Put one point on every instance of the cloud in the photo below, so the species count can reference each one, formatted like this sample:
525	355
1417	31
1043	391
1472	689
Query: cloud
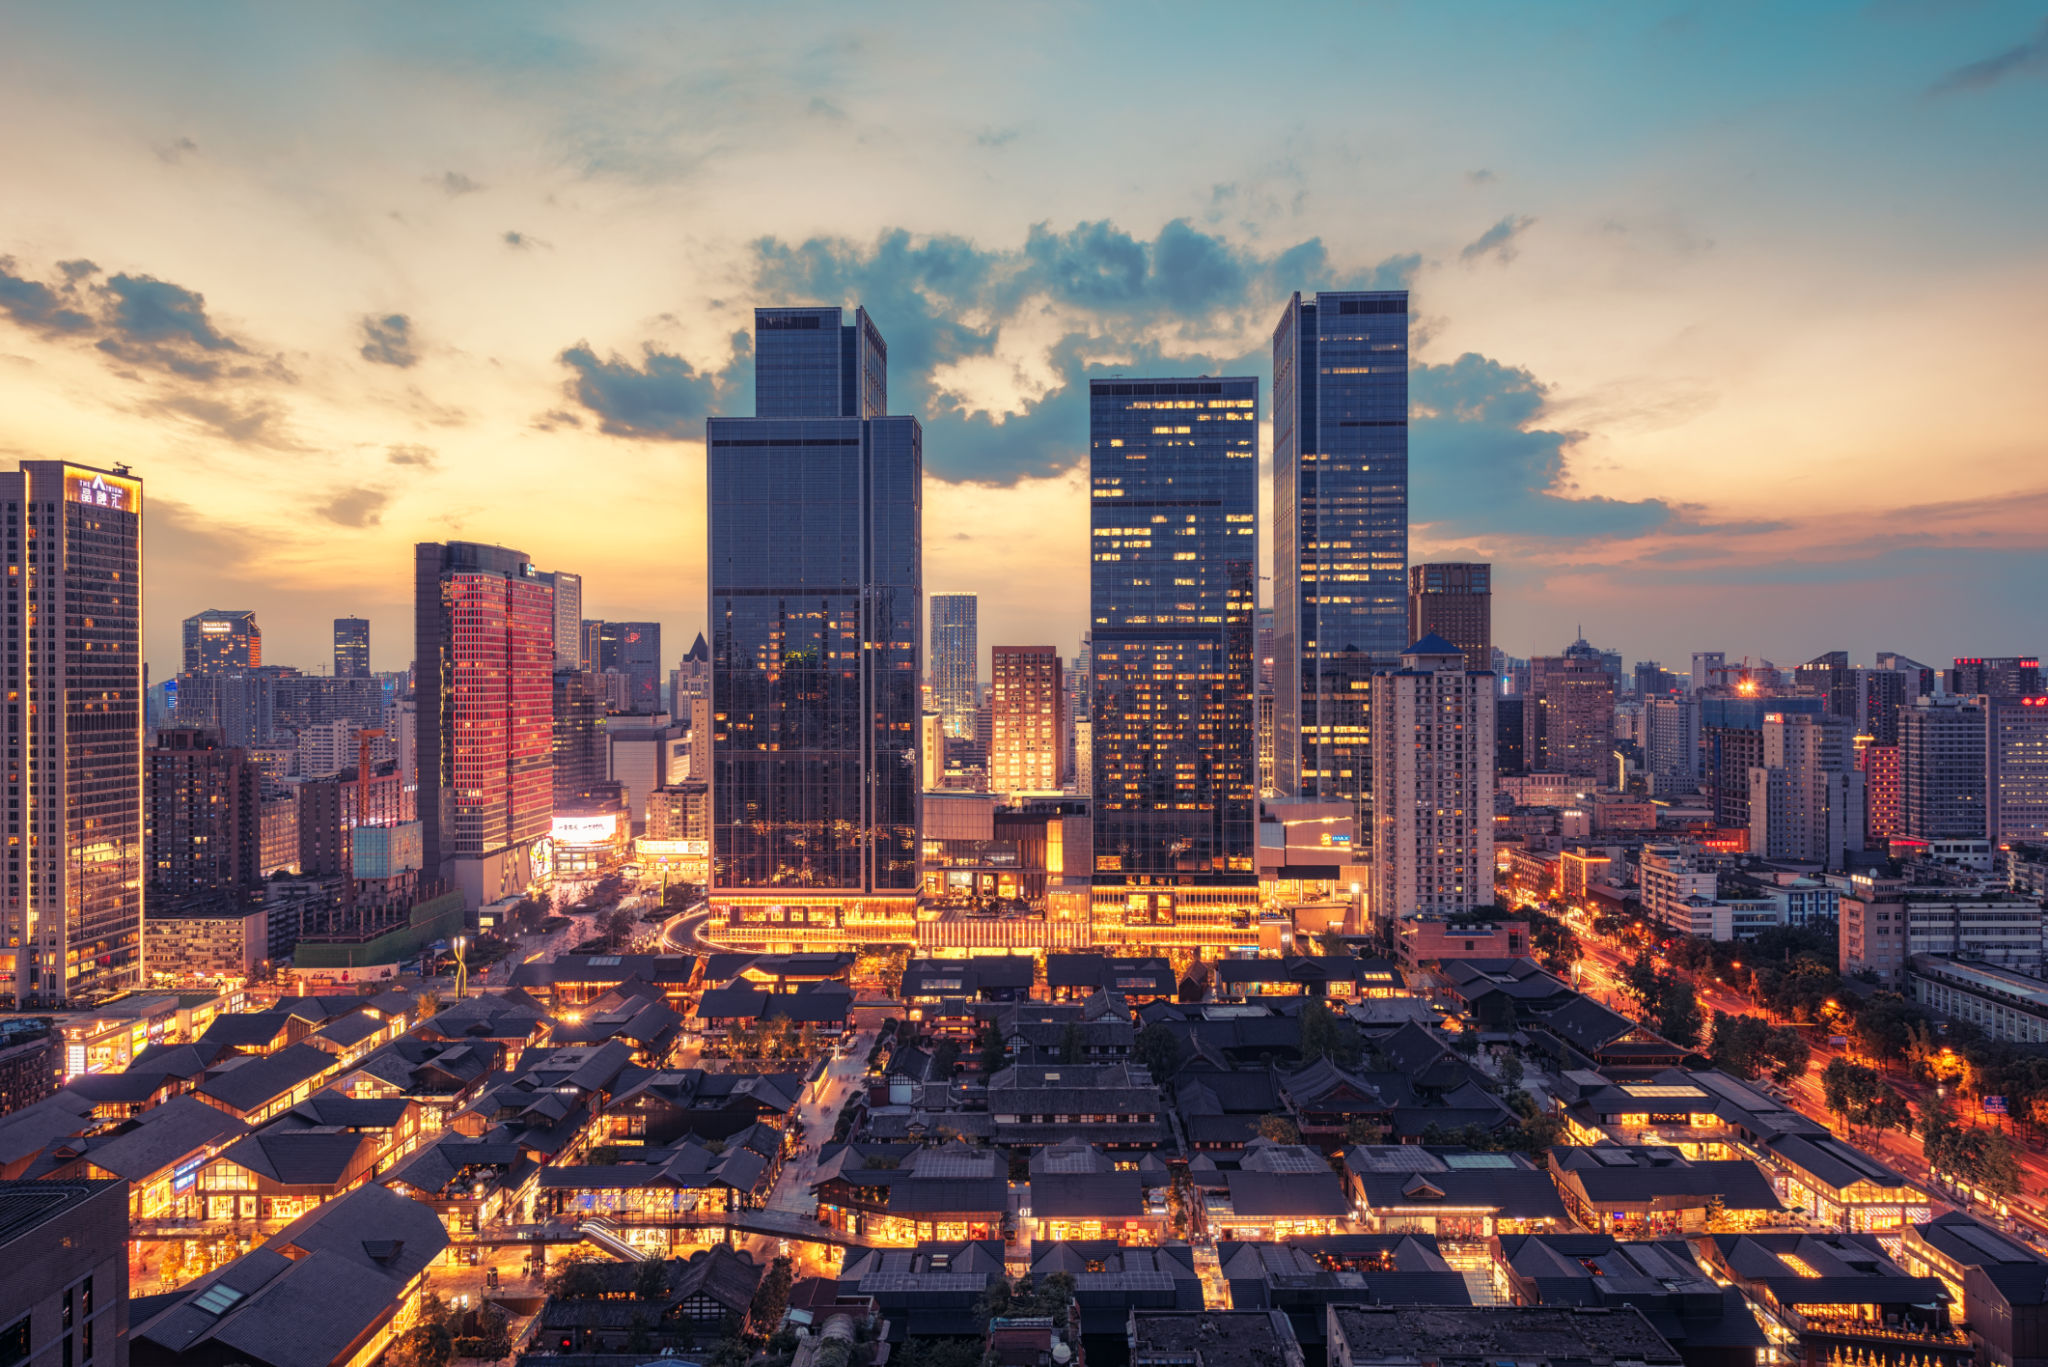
411	455
39	307
666	397
2028	58
174	151
1479	462
455	183
1499	240
822	108
519	241
388	340
252	423
156	323
1481	177
997	137
354	507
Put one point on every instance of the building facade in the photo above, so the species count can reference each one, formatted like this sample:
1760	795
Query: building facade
1454	600
633	649
956	661
484	647
1174	471
351	647
202	822
1571	713
580	742
1029	716
1340	533
816	612
2016	769
1941	768
1433	779
222	641
1806	800
72	912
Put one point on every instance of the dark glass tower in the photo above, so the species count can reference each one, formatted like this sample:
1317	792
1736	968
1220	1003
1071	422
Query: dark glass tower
1173	466
816	614
1340	533
634	650
351	648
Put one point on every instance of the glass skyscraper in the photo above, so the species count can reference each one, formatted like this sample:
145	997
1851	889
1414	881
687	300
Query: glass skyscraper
816	609
956	661
351	648
1340	534
634	650
1173	468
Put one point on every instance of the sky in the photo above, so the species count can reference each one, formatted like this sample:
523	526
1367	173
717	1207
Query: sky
1728	319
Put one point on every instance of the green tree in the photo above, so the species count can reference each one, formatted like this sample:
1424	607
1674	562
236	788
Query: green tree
1279	1129
1325	1034
1677	1012
1158	1048
650	1280
989	1046
771	1298
575	1278
1511	1071
426	1344
944	1057
1073	1043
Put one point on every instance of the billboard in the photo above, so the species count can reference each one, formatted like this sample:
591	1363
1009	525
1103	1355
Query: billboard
116	493
586	830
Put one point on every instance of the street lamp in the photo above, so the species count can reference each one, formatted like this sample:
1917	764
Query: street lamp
461	966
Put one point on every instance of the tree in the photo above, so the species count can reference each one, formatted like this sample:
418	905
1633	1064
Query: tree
1325	1034
1360	1130
1677	1011
1158	1049
1511	1072
575	1278
1073	1042
426	1344
1998	1164
426	1004
650	1280
944	1057
771	1298
1467	1041
992	1053
1279	1129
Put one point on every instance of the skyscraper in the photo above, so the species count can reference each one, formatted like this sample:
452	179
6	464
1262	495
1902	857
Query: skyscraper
568	630
1173	466
1671	747
484	632
590	644
203	829
816	614
956	661
580	744
1454	600
1029	719
1884	797
1433	779
1569	719
72	908
222	640
634	650
1806	800
1941	769
351	648
1340	534
2016	755
1998	676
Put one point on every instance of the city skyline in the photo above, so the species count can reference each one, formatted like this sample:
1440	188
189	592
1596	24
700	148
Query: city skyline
510	330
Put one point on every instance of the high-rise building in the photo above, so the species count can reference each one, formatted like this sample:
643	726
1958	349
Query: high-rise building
1998	676
1919	678
1173	466
1652	680
485	649
222	640
1941	767
1340	534
590	637
1884	793
1705	665
202	826
1029	720
352	647
72	912
1454	600
568	628
816	606
1079	671
634	650
1510	735
580	746
692	680
1570	720
1671	742
956	660
1829	678
1433	780
1806	800
932	755
2016	757
1881	693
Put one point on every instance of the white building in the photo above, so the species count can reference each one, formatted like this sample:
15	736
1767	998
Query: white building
1671	744
1806	799
1433	760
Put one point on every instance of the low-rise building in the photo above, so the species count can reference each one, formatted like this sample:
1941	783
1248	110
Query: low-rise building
931	1288
2000	1288
1303	1277
1454	1194
1113	1279
1710	1325
620	1310
1652	1191
1079	1192
1525	1335
1842	1186
904	1194
1836	1299
224	939
1211	1338
2004	1004
1104	1105
1277	1191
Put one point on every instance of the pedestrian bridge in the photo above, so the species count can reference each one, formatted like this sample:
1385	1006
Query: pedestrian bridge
606	1230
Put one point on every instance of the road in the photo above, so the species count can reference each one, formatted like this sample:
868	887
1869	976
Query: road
1601	970
815	1113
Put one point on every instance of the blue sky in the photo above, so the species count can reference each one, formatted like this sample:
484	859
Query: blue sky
1728	317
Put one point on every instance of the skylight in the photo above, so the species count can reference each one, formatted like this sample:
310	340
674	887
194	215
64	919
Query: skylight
219	1298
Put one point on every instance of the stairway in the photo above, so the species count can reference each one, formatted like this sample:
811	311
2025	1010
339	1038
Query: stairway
607	1237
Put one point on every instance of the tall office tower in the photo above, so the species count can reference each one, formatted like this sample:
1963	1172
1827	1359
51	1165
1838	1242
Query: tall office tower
1884	793
1732	743
1510	735
351	647
1570	721
1340	534
956	661
1999	676
1881	693
1029	717
484	650
1173	466
1920	679
1806	800
1265	742
816	637
1653	680
1433	777
1454	600
693	679
202	830
1084	757
1830	678
634	650
1671	743
2016	778
580	747
590	638
1705	665
1941	769
72	909
1078	691
568	626
812	363
1262	642
221	640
